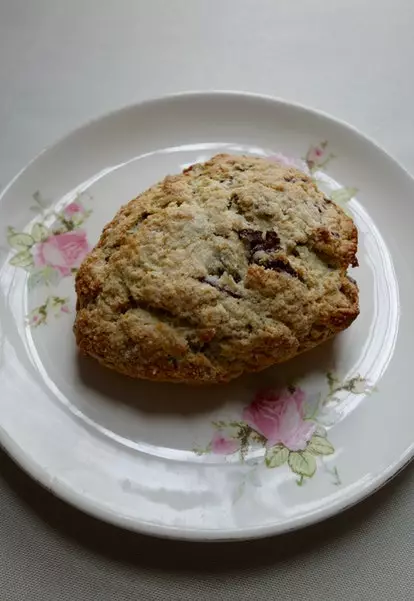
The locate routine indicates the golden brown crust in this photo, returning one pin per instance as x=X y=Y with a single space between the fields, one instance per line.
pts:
x=230 y=267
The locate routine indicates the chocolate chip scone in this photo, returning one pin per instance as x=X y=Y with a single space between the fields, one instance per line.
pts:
x=230 y=267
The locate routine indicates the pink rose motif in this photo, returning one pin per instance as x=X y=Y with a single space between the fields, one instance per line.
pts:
x=62 y=251
x=279 y=417
x=221 y=445
x=316 y=155
x=73 y=208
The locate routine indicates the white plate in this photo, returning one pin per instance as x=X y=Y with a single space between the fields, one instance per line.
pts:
x=174 y=460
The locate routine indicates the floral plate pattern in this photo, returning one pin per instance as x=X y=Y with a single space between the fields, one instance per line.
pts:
x=267 y=453
x=289 y=427
x=50 y=252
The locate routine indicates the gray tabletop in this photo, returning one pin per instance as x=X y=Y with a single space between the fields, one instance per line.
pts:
x=62 y=63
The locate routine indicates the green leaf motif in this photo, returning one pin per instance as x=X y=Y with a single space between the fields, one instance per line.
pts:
x=276 y=456
x=320 y=446
x=36 y=277
x=52 y=276
x=332 y=380
x=39 y=232
x=45 y=276
x=243 y=436
x=219 y=424
x=258 y=438
x=302 y=463
x=22 y=259
x=58 y=301
x=343 y=195
x=20 y=241
x=200 y=452
x=52 y=306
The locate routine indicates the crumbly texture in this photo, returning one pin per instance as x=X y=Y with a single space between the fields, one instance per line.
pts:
x=230 y=267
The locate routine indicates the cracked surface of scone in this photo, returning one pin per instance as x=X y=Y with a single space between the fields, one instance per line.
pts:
x=230 y=267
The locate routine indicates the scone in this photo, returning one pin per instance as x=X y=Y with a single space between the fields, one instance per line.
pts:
x=230 y=267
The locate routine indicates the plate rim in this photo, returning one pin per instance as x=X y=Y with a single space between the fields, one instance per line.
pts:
x=194 y=94
x=81 y=502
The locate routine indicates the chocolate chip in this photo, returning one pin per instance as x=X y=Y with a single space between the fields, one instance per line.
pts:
x=197 y=346
x=252 y=237
x=173 y=362
x=257 y=240
x=281 y=265
x=272 y=241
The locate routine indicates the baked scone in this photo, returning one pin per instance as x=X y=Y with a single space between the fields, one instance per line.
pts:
x=230 y=267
